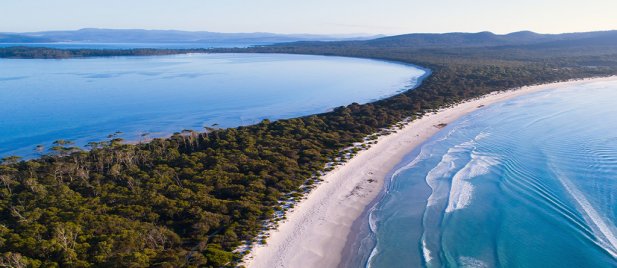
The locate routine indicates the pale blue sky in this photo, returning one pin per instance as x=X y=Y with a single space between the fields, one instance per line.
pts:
x=312 y=16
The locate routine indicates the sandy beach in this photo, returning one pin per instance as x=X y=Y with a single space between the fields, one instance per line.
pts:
x=316 y=230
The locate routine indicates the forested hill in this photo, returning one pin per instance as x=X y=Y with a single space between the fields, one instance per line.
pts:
x=473 y=50
x=190 y=200
x=515 y=46
x=467 y=40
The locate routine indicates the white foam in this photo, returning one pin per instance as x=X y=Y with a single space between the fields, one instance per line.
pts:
x=604 y=230
x=426 y=253
x=482 y=135
x=461 y=190
x=460 y=198
x=441 y=170
x=425 y=153
x=469 y=262
x=370 y=257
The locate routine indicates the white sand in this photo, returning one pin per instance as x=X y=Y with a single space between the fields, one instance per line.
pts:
x=316 y=230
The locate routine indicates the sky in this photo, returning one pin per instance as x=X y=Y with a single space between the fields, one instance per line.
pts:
x=312 y=16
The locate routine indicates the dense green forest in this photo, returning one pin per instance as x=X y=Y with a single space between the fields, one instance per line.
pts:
x=191 y=199
x=21 y=52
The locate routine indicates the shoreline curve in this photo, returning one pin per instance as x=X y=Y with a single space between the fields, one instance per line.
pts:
x=322 y=229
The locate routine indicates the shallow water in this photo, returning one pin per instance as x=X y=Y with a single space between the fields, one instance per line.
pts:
x=531 y=182
x=87 y=99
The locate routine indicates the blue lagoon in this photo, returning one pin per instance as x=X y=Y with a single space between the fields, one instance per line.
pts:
x=87 y=99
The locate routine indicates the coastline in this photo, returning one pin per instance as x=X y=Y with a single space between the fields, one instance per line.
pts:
x=321 y=229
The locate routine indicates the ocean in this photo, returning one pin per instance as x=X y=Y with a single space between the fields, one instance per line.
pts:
x=529 y=182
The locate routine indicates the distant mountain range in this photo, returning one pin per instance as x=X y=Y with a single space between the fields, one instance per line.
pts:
x=481 y=39
x=92 y=35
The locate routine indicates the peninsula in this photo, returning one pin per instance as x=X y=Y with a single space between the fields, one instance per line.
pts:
x=197 y=199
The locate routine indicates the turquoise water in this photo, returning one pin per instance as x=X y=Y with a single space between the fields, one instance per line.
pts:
x=531 y=182
x=87 y=99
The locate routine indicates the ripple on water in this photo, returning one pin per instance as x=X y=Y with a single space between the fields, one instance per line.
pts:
x=539 y=191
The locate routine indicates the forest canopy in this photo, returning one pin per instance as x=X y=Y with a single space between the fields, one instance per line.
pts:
x=190 y=200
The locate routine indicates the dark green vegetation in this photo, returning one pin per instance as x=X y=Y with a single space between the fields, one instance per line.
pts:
x=51 y=53
x=191 y=199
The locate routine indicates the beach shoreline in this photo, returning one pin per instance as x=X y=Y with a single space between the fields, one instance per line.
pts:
x=322 y=229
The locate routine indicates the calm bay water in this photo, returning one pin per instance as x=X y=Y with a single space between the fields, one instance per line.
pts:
x=87 y=99
x=531 y=182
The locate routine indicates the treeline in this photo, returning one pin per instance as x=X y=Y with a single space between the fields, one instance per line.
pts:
x=22 y=52
x=191 y=199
